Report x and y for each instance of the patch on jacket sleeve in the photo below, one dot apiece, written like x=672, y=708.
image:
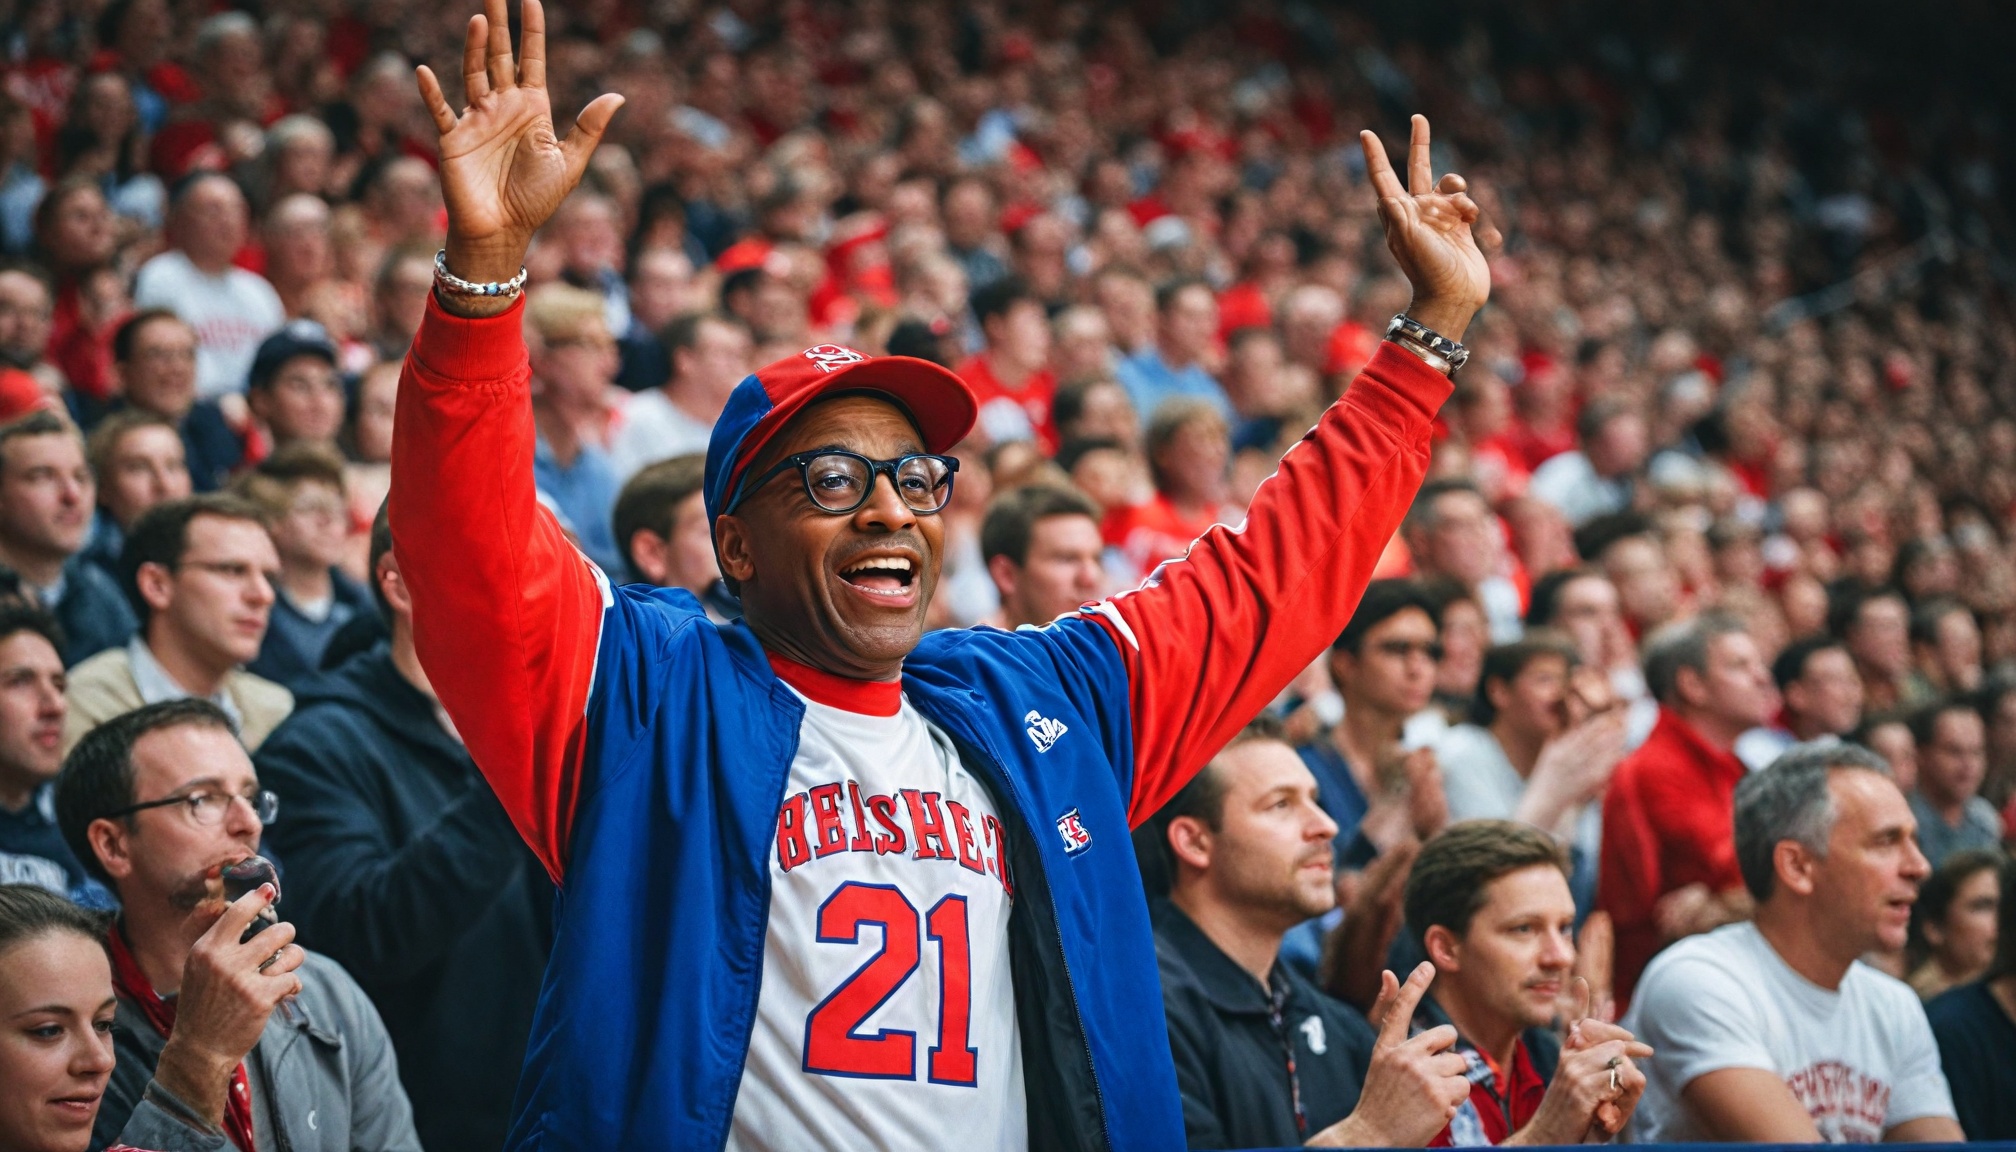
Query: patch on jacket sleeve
x=1043, y=730
x=1072, y=828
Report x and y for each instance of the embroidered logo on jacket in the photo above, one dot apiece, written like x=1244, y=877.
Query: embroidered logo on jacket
x=1043, y=730
x=1072, y=828
x=1312, y=1035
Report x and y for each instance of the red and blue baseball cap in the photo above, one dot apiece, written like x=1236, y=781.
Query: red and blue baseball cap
x=938, y=401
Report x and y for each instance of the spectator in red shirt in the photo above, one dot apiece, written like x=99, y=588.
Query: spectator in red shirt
x=1488, y=903
x=1010, y=376
x=1483, y=416
x=75, y=238
x=1669, y=853
x=1189, y=448
x=1544, y=425
x=225, y=126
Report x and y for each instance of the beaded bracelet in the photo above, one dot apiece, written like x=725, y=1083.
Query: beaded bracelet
x=454, y=285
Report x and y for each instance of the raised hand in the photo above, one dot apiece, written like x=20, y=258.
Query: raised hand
x=1574, y=768
x=1413, y=1084
x=503, y=168
x=1429, y=230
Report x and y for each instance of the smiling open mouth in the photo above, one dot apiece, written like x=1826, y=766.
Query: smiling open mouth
x=881, y=575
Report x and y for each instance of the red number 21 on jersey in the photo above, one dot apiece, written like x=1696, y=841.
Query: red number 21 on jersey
x=833, y=1047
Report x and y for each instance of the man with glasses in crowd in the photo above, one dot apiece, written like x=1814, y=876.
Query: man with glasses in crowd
x=200, y=572
x=897, y=864
x=224, y=1037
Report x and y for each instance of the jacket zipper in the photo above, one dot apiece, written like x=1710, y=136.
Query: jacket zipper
x=991, y=762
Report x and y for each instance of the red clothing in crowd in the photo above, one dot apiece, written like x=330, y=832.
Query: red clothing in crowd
x=1500, y=467
x=1031, y=401
x=1243, y=305
x=1667, y=823
x=21, y=393
x=83, y=353
x=1536, y=446
x=1147, y=534
x=1500, y=1115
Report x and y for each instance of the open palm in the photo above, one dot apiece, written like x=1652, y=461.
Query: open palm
x=503, y=168
x=1430, y=226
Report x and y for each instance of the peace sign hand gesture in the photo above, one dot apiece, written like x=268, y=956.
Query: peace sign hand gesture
x=503, y=168
x=1430, y=231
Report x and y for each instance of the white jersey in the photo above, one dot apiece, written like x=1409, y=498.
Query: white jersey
x=1860, y=1058
x=887, y=1013
x=231, y=312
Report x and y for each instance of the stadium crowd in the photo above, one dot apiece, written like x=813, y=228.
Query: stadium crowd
x=1682, y=714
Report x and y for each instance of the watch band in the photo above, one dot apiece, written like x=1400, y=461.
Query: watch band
x=1441, y=353
x=454, y=285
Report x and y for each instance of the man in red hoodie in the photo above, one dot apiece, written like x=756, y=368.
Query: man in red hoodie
x=1669, y=850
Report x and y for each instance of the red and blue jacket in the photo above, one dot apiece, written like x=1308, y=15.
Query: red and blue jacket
x=643, y=752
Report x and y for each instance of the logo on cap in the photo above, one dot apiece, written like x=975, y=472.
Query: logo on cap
x=831, y=356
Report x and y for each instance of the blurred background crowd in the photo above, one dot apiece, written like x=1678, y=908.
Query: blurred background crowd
x=1732, y=466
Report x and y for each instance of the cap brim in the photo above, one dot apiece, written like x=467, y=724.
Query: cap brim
x=937, y=400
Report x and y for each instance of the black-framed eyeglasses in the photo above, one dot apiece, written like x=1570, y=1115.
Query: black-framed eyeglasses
x=207, y=806
x=839, y=481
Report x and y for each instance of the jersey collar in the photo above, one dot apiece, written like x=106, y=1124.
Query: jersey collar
x=866, y=697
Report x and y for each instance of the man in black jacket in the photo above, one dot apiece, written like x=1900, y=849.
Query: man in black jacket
x=1263, y=1057
x=402, y=866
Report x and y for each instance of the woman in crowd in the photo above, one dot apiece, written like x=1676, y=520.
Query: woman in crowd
x=1975, y=1025
x=1953, y=923
x=56, y=1011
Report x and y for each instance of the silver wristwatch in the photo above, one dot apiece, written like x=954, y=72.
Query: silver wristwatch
x=1436, y=350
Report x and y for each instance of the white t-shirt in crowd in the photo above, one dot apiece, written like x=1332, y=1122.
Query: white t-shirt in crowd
x=887, y=1012
x=1569, y=482
x=654, y=429
x=1482, y=784
x=231, y=313
x=1861, y=1059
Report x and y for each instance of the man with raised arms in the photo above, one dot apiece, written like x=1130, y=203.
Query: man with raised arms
x=826, y=881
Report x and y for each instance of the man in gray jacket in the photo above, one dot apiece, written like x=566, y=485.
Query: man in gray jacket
x=223, y=1041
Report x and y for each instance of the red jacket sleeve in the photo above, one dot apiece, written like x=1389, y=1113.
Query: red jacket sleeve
x=1212, y=638
x=506, y=612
